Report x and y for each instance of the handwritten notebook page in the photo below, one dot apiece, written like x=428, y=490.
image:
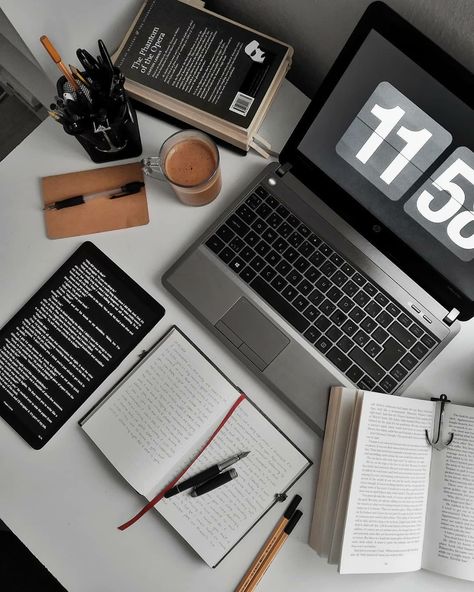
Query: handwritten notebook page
x=213, y=523
x=160, y=413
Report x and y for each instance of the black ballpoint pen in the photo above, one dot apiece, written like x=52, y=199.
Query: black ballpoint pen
x=205, y=475
x=77, y=200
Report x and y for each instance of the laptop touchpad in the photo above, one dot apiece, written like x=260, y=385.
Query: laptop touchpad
x=253, y=333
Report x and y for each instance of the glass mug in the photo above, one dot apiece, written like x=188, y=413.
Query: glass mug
x=189, y=162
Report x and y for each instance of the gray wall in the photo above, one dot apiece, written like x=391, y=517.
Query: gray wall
x=318, y=29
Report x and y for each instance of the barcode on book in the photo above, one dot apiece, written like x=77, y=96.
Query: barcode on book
x=241, y=104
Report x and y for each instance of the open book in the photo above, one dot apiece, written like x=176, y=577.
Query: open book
x=386, y=500
x=152, y=424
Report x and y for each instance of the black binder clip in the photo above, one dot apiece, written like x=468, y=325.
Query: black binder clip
x=436, y=442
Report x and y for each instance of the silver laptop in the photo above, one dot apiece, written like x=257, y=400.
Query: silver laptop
x=350, y=261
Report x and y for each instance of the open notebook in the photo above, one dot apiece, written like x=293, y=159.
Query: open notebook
x=151, y=425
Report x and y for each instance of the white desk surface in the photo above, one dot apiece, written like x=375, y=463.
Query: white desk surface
x=65, y=501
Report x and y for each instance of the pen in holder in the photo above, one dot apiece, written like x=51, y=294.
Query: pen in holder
x=92, y=106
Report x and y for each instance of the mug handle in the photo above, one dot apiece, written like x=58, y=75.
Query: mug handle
x=152, y=168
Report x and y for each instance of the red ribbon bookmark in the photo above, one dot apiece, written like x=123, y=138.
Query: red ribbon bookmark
x=170, y=485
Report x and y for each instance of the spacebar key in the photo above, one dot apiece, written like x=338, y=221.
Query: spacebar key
x=280, y=304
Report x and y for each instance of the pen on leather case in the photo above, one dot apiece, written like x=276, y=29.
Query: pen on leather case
x=77, y=200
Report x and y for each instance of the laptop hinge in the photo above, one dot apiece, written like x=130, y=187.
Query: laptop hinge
x=451, y=317
x=282, y=169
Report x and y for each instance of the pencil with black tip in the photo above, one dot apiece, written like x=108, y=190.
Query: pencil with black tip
x=269, y=543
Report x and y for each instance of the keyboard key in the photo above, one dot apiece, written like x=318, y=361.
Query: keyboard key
x=247, y=254
x=347, y=269
x=271, y=201
x=272, y=257
x=419, y=350
x=349, y=327
x=289, y=293
x=261, y=192
x=214, y=243
x=236, y=244
x=280, y=245
x=404, y=320
x=334, y=294
x=345, y=343
x=416, y=330
x=274, y=220
x=327, y=307
x=317, y=259
x=237, y=225
x=304, y=230
x=346, y=304
x=305, y=287
x=338, y=317
x=294, y=277
x=316, y=297
x=328, y=268
x=350, y=288
x=372, y=348
x=259, y=226
x=388, y=384
x=246, y=213
x=398, y=372
x=312, y=334
x=366, y=383
x=370, y=289
x=306, y=249
x=295, y=239
x=279, y=283
x=336, y=259
x=323, y=284
x=283, y=267
x=311, y=313
x=339, y=278
x=312, y=274
x=293, y=220
x=262, y=248
x=248, y=274
x=227, y=255
x=428, y=341
x=361, y=298
x=253, y=201
x=291, y=254
x=269, y=235
x=301, y=264
x=358, y=279
x=333, y=333
x=269, y=273
x=384, y=319
x=381, y=299
x=314, y=240
x=367, y=364
x=409, y=361
x=357, y=314
x=300, y=303
x=225, y=233
x=323, y=344
x=252, y=238
x=237, y=264
x=373, y=308
x=354, y=373
x=361, y=338
x=282, y=211
x=322, y=323
x=393, y=310
x=368, y=324
x=400, y=333
x=257, y=263
x=280, y=304
x=325, y=249
x=380, y=335
x=339, y=359
x=391, y=353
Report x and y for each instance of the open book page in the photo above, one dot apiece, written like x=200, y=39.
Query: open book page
x=387, y=503
x=325, y=510
x=213, y=523
x=334, y=554
x=159, y=413
x=449, y=535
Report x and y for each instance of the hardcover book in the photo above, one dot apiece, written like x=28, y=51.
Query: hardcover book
x=204, y=69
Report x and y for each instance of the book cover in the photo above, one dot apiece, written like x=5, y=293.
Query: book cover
x=201, y=59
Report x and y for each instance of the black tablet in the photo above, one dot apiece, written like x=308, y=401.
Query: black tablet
x=67, y=339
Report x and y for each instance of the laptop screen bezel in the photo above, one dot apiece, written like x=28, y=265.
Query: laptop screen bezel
x=447, y=71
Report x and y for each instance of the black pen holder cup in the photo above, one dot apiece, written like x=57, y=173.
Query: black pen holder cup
x=112, y=140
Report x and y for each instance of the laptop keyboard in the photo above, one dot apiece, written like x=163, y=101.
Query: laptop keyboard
x=339, y=310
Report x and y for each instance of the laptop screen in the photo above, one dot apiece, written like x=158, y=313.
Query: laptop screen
x=401, y=144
